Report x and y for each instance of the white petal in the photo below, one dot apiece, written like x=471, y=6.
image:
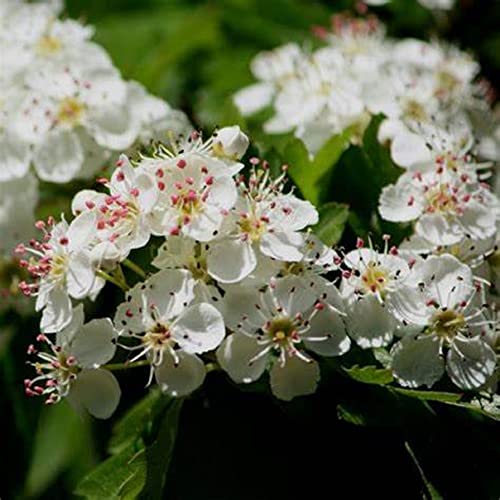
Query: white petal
x=283, y=246
x=439, y=229
x=408, y=304
x=59, y=157
x=470, y=362
x=80, y=276
x=295, y=378
x=253, y=98
x=370, y=323
x=93, y=344
x=64, y=337
x=183, y=378
x=234, y=356
x=398, y=203
x=81, y=231
x=58, y=311
x=293, y=296
x=200, y=328
x=203, y=226
x=97, y=391
x=327, y=323
x=409, y=150
x=416, y=361
x=292, y=214
x=231, y=260
x=15, y=159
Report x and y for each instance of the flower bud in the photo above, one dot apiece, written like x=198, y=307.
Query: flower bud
x=230, y=143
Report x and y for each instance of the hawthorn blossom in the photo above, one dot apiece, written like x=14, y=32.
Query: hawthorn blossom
x=275, y=328
x=445, y=207
x=439, y=300
x=263, y=220
x=70, y=368
x=369, y=280
x=61, y=267
x=170, y=329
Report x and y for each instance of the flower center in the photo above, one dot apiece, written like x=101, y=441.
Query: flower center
x=282, y=330
x=446, y=82
x=414, y=110
x=58, y=267
x=252, y=227
x=70, y=111
x=447, y=323
x=157, y=336
x=440, y=199
x=375, y=277
x=48, y=45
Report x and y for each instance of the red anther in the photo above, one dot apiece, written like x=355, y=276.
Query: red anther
x=41, y=338
x=191, y=196
x=186, y=219
x=204, y=169
x=346, y=274
x=466, y=198
x=90, y=204
x=40, y=224
x=189, y=180
x=51, y=221
x=360, y=243
x=265, y=218
x=463, y=303
x=287, y=210
x=430, y=303
x=209, y=180
x=175, y=231
x=393, y=251
x=159, y=173
x=181, y=163
x=319, y=306
x=120, y=162
x=71, y=360
x=178, y=185
x=63, y=240
x=20, y=249
x=254, y=160
x=23, y=263
x=412, y=262
x=320, y=32
x=134, y=192
x=161, y=186
x=265, y=165
x=175, y=199
x=337, y=260
x=31, y=349
x=102, y=180
x=120, y=176
x=411, y=201
x=27, y=382
x=129, y=313
x=464, y=177
x=38, y=389
x=101, y=224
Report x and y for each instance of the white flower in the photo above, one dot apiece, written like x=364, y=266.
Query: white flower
x=275, y=327
x=71, y=368
x=170, y=329
x=445, y=207
x=263, y=220
x=181, y=252
x=18, y=199
x=62, y=269
x=439, y=300
x=122, y=217
x=368, y=282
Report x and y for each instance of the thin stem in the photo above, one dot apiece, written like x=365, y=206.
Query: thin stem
x=135, y=267
x=125, y=366
x=111, y=279
x=212, y=367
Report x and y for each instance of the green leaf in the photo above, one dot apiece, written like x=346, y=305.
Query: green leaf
x=137, y=421
x=431, y=489
x=308, y=174
x=62, y=437
x=370, y=374
x=122, y=476
x=443, y=397
x=332, y=220
x=159, y=454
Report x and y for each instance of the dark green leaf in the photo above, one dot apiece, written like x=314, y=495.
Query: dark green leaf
x=443, y=397
x=332, y=220
x=370, y=374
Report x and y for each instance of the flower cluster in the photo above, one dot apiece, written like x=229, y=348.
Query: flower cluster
x=240, y=283
x=64, y=108
x=359, y=73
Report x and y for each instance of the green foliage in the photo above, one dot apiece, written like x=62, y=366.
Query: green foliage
x=310, y=174
x=370, y=374
x=332, y=220
x=142, y=446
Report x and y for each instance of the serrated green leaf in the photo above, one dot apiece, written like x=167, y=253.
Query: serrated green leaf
x=443, y=397
x=159, y=454
x=137, y=421
x=121, y=476
x=308, y=174
x=332, y=220
x=370, y=374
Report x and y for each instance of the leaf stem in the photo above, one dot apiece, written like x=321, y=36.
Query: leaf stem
x=119, y=283
x=125, y=366
x=135, y=267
